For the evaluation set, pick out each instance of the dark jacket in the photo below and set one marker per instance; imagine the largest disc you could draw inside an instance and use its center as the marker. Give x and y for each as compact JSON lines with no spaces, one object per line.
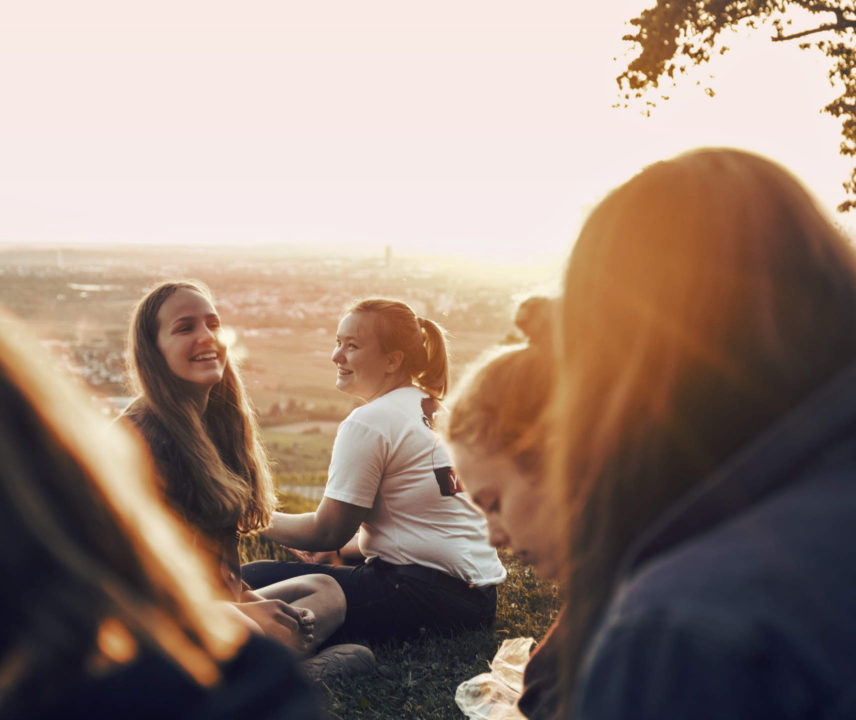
{"x":741,"y":601}
{"x":262,"y":682}
{"x":541,"y":688}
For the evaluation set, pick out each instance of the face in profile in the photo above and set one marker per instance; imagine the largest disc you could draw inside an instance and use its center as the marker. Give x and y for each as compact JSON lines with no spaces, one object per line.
{"x":189,"y":338}
{"x":362,"y":367}
{"x":513,"y":504}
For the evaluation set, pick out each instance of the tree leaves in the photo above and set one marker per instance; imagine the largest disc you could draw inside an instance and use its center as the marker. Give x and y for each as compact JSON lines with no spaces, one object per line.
{"x":676,"y":33}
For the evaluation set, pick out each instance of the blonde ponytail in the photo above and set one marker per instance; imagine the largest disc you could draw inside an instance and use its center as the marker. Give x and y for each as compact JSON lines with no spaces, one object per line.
{"x":434,"y":379}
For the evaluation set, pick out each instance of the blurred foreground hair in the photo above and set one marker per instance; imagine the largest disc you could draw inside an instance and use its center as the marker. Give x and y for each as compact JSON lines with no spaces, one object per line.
{"x":703,"y":299}
{"x":93,"y":566}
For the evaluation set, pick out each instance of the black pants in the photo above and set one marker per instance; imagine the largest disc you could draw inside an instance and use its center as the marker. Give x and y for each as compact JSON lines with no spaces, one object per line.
{"x":387,"y":601}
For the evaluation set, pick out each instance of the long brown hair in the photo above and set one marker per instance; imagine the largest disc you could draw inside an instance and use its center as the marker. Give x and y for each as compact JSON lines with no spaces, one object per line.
{"x":93,"y":566}
{"x":422,"y":341}
{"x":221,"y":474}
{"x":703,"y":299}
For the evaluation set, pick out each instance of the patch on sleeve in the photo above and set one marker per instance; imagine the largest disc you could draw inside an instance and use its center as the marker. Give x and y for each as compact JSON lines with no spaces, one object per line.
{"x":448,"y":481}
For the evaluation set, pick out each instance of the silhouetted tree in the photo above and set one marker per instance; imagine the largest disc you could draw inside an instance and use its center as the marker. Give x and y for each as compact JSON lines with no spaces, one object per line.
{"x":675,"y":34}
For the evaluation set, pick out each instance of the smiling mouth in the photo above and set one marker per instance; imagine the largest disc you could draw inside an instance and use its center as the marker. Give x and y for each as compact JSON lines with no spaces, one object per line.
{"x":205,"y":357}
{"x":344,"y":372}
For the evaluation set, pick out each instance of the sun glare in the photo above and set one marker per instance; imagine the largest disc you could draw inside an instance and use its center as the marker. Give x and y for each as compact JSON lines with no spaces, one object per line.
{"x":228,"y":336}
{"x":500,"y":131}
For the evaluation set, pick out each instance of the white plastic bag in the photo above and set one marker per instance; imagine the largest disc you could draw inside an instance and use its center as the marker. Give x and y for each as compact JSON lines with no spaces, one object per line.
{"x":494,"y":695}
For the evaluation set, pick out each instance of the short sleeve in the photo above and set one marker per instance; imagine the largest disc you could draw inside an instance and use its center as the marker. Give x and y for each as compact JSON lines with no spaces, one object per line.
{"x":357,"y":465}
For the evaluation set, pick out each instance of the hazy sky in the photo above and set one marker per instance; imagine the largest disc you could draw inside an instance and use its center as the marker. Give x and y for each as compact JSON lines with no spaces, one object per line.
{"x":474,"y":127}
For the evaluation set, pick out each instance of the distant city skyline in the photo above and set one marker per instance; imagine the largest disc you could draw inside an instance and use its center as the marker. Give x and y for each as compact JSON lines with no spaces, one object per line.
{"x":481,"y":130}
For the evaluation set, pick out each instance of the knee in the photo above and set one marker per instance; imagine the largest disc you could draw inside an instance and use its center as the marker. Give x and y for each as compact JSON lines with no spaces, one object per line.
{"x":326,"y":586}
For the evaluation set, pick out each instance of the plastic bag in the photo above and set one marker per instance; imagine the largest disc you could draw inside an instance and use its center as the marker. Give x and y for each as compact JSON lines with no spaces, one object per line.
{"x":494,"y":695}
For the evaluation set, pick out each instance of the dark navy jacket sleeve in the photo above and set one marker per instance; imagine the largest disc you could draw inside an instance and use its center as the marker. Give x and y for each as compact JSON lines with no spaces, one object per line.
{"x":668,"y":664}
{"x":263,"y":681}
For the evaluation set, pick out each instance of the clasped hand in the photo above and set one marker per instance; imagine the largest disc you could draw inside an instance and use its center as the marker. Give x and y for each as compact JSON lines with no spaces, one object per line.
{"x":292,"y":626}
{"x":321,"y":557}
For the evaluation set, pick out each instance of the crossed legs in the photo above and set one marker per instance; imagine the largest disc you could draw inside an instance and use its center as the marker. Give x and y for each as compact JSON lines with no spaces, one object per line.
{"x":321,"y":600}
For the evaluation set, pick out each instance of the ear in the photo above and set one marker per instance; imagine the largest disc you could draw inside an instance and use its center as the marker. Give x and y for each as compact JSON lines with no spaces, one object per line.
{"x":393,"y":361}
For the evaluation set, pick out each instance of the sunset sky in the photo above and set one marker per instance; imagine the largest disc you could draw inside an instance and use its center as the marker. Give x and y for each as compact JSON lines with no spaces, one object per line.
{"x":473,"y":128}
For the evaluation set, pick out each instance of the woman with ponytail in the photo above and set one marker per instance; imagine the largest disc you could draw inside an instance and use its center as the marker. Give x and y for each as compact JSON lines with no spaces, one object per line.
{"x":193,"y":413}
{"x":424,"y":561}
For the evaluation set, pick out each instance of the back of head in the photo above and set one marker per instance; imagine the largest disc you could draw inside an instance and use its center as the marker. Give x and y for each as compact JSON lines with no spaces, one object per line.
{"x":93,"y":566}
{"x":703,"y":299}
{"x":422,"y":342}
{"x":498,"y":405}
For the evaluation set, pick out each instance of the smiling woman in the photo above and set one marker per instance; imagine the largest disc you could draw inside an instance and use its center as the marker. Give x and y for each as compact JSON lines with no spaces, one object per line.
{"x":364,"y":369}
{"x":392,"y":502}
{"x":189,"y":340}
{"x":194,"y":414}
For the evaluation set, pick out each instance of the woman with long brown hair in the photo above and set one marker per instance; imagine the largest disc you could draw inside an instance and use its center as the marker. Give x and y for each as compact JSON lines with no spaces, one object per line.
{"x":107,"y":610}
{"x":193,"y":412}
{"x":422,"y":557}
{"x":704,"y":425}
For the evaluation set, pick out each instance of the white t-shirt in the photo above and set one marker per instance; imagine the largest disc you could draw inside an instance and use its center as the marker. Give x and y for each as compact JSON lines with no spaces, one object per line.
{"x":387,"y":458}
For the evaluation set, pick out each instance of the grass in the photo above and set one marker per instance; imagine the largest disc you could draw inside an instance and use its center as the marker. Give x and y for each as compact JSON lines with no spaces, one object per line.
{"x":292,"y":453}
{"x":416,"y":680}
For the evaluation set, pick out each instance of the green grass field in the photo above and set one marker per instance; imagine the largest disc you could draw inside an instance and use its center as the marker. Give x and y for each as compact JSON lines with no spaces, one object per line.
{"x":298,"y":453}
{"x":416,"y":680}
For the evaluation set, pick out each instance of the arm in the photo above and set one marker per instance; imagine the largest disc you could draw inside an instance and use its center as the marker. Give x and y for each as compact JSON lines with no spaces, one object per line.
{"x":356,"y":469}
{"x":349,"y":552}
{"x":330,"y":527}
{"x":351,"y":549}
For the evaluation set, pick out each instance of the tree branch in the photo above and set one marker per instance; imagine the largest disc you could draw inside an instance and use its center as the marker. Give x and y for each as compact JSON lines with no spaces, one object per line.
{"x":842,"y":24}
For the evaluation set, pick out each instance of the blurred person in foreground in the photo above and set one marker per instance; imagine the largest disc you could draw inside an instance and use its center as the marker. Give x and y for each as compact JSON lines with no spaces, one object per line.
{"x":107,"y":612}
{"x":705,"y":441}
{"x":496,"y":433}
